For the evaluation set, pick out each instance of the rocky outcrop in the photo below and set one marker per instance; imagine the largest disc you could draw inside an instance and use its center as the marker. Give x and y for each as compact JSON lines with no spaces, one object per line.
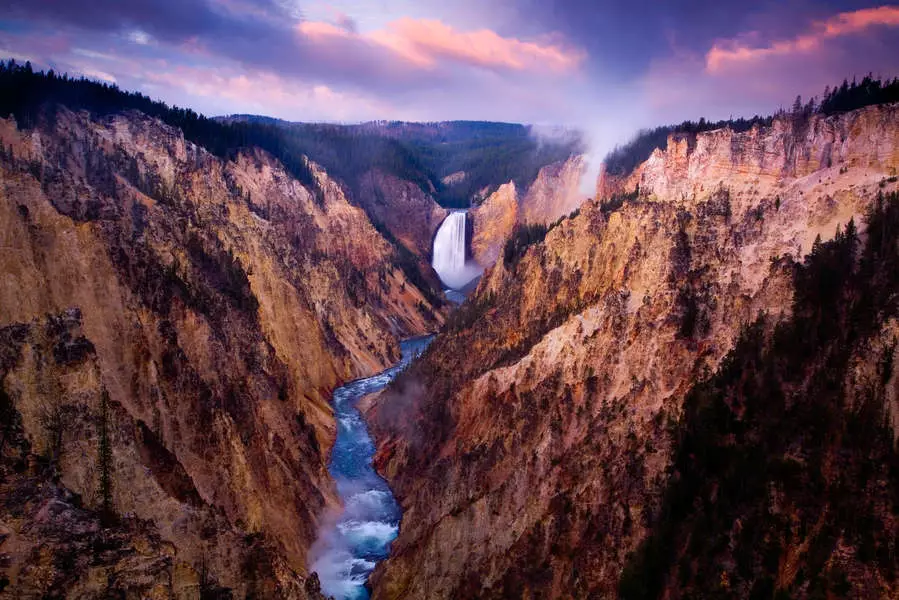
{"x":859,"y":146}
{"x":454,"y":178}
{"x":218,"y":305}
{"x":531,"y":446}
{"x":409,"y":218}
{"x":411,"y":215}
{"x":492,"y":223}
{"x":554,"y":194}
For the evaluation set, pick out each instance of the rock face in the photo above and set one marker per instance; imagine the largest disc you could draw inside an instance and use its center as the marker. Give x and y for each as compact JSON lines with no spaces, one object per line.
{"x":216,"y":305}
{"x":402,"y":211}
{"x":554,"y":194}
{"x":759,"y":161}
{"x":531,"y":448}
{"x":411,"y":215}
{"x":54,"y":406}
{"x":492,"y":223}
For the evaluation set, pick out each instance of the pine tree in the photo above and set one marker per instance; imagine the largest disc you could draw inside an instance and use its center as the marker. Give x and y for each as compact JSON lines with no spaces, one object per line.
{"x":851,"y":236}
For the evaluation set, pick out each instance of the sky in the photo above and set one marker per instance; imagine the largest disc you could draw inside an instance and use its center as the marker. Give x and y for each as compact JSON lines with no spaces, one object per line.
{"x":605,"y":67}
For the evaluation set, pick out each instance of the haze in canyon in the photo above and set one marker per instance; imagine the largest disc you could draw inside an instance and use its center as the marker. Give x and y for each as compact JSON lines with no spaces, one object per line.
{"x":418,"y":300}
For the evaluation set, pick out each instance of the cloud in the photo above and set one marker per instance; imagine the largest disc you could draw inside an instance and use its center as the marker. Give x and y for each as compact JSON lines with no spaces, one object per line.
{"x":338,"y":68}
{"x":734,"y":52}
{"x":321,"y":31}
{"x":139,"y":37}
{"x":97,"y":74}
{"x":426,"y":41}
{"x":747,"y":75}
{"x":344,"y":21}
{"x":268,"y":34}
{"x":164,"y":19}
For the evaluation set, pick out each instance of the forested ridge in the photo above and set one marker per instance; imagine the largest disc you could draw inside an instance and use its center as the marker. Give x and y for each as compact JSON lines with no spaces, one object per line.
{"x":843,"y":98}
{"x":32,"y":96}
{"x":490,"y":154}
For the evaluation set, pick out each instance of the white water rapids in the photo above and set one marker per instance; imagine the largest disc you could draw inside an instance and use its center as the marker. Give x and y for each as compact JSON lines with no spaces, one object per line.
{"x":352,"y":541}
{"x":449,"y":253}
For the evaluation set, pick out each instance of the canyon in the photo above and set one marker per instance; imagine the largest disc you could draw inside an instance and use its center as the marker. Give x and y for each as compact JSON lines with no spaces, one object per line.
{"x":174,"y":319}
{"x":536,"y":448}
{"x":210,"y":381}
{"x":348,"y":549}
{"x":212,"y":306}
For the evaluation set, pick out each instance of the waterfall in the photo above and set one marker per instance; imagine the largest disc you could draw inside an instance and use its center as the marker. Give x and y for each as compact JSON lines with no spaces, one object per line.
{"x":449,"y":253}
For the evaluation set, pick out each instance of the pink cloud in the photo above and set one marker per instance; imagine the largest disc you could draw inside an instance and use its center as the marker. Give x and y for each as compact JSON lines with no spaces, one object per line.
{"x":33,"y":47}
{"x":746,"y":76}
{"x":734,"y":52}
{"x":427,"y":42}
{"x":429,"y":39}
{"x":319,"y":30}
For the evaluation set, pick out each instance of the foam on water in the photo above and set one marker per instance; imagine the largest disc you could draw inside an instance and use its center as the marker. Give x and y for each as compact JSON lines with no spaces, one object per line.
{"x":368,"y":533}
{"x":371,"y":502}
{"x":348,"y":549}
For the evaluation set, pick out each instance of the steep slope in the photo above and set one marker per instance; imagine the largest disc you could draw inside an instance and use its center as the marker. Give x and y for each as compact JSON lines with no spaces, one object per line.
{"x":492,"y":223}
{"x":411,"y":216}
{"x":786,"y":467}
{"x":532,"y":447}
{"x":58,"y":542}
{"x":220,"y":301}
{"x":552,"y":195}
{"x":555,"y":193}
{"x":758,"y":161}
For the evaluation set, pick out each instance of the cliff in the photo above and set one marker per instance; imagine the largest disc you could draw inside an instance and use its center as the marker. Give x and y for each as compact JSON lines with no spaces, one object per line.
{"x":409,"y":218}
{"x":492,"y":223}
{"x":411,"y":215}
{"x":759,"y":162}
{"x":56,"y":537}
{"x":537,"y":447}
{"x":552,"y":195}
{"x":211,"y":306}
{"x":555,"y":193}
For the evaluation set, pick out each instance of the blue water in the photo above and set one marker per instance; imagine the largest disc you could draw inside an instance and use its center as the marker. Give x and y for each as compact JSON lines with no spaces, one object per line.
{"x":349,"y":548}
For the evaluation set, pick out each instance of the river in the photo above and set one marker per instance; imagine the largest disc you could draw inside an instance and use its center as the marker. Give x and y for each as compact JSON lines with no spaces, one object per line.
{"x":349,"y":548}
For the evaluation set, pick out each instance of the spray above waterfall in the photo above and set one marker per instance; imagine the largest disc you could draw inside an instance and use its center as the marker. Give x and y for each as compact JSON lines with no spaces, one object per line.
{"x":449,"y":253}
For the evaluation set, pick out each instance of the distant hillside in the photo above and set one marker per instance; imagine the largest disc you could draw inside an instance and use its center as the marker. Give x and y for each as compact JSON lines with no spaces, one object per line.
{"x":456,"y":161}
